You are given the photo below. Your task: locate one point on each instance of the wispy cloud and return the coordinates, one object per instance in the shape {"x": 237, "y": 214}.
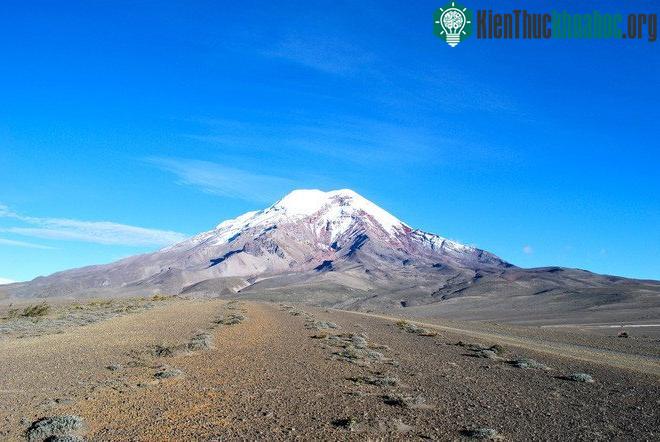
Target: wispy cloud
{"x": 29, "y": 245}
{"x": 98, "y": 232}
{"x": 6, "y": 281}
{"x": 368, "y": 142}
{"x": 225, "y": 181}
{"x": 528, "y": 250}
{"x": 332, "y": 56}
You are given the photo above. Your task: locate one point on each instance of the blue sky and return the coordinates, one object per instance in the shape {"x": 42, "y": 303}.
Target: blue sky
{"x": 128, "y": 125}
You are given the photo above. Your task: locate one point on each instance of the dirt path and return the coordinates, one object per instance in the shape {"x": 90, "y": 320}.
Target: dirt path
{"x": 642, "y": 364}
{"x": 208, "y": 370}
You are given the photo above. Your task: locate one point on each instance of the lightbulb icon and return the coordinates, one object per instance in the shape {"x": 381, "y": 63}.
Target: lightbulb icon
{"x": 453, "y": 21}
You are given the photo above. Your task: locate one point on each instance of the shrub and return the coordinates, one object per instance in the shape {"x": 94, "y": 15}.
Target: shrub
{"x": 162, "y": 351}
{"x": 13, "y": 313}
{"x": 348, "y": 423}
{"x": 232, "y": 319}
{"x": 498, "y": 349}
{"x": 359, "y": 341}
{"x": 528, "y": 363}
{"x": 101, "y": 303}
{"x": 168, "y": 373}
{"x": 404, "y": 400}
{"x": 482, "y": 434}
{"x": 412, "y": 328}
{"x": 54, "y": 428}
{"x": 201, "y": 341}
{"x": 37, "y": 310}
{"x": 321, "y": 325}
{"x": 580, "y": 377}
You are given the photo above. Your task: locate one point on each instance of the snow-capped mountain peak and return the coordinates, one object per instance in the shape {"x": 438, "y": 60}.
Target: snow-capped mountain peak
{"x": 336, "y": 210}
{"x": 336, "y": 203}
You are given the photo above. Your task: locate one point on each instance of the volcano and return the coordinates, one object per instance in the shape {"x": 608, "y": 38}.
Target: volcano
{"x": 339, "y": 249}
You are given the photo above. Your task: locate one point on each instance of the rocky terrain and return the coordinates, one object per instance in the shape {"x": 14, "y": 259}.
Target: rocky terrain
{"x": 195, "y": 369}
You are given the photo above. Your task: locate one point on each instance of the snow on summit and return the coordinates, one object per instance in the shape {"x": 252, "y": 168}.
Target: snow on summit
{"x": 339, "y": 204}
{"x": 336, "y": 208}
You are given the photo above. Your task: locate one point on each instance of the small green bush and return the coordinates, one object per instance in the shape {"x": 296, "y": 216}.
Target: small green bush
{"x": 498, "y": 349}
{"x": 580, "y": 377}
{"x": 37, "y": 310}
{"x": 349, "y": 423}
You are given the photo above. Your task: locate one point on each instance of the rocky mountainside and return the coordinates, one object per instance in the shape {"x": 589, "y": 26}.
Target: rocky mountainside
{"x": 333, "y": 248}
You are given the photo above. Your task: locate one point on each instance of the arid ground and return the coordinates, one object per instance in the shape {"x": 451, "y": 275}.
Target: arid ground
{"x": 186, "y": 369}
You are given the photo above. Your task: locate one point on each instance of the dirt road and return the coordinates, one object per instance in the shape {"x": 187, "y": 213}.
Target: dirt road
{"x": 208, "y": 370}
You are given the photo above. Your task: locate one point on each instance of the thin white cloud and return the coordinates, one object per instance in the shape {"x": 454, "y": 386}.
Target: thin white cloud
{"x": 11, "y": 242}
{"x": 328, "y": 55}
{"x": 365, "y": 141}
{"x": 6, "y": 213}
{"x": 6, "y": 281}
{"x": 528, "y": 250}
{"x": 98, "y": 232}
{"x": 225, "y": 181}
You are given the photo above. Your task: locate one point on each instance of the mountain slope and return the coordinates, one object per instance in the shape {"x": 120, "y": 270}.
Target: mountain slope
{"x": 337, "y": 248}
{"x": 308, "y": 231}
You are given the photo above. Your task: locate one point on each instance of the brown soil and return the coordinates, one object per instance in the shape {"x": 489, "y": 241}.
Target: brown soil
{"x": 277, "y": 376}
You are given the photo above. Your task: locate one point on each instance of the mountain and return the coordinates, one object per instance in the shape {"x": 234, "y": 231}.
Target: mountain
{"x": 337, "y": 248}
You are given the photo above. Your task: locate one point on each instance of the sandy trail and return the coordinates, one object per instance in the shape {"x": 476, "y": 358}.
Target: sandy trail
{"x": 271, "y": 377}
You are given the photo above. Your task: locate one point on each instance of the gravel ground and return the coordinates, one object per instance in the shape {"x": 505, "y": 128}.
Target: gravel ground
{"x": 186, "y": 370}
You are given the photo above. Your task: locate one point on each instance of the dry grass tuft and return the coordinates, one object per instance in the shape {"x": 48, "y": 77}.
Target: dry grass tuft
{"x": 34, "y": 311}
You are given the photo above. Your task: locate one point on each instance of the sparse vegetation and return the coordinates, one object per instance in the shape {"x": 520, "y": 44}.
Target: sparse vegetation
{"x": 498, "y": 349}
{"x": 231, "y": 319}
{"x": 201, "y": 341}
{"x": 351, "y": 353}
{"x": 580, "y": 377}
{"x": 378, "y": 380}
{"x": 412, "y": 328}
{"x": 494, "y": 352}
{"x": 356, "y": 349}
{"x": 405, "y": 401}
{"x": 359, "y": 341}
{"x": 235, "y": 305}
{"x": 488, "y": 354}
{"x": 167, "y": 373}
{"x": 349, "y": 423}
{"x": 35, "y": 311}
{"x": 320, "y": 325}
{"x": 101, "y": 303}
{"x": 40, "y": 319}
{"x": 473, "y": 347}
{"x": 163, "y": 351}
{"x": 528, "y": 363}
{"x": 482, "y": 434}
{"x": 55, "y": 428}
